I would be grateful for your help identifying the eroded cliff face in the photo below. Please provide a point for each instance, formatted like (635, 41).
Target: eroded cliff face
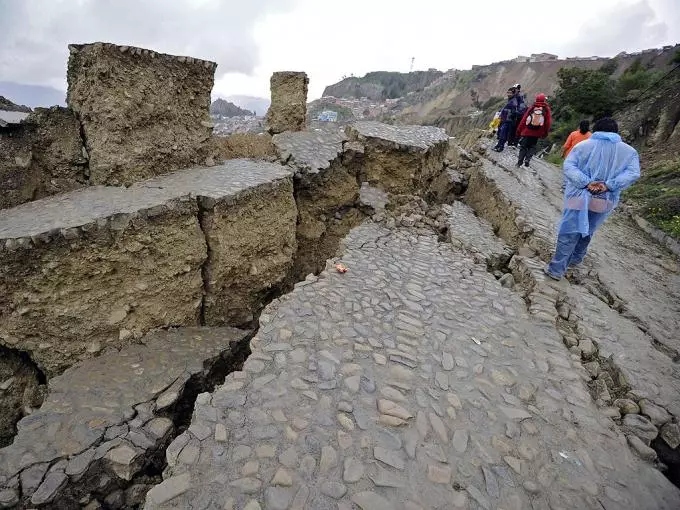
(653, 123)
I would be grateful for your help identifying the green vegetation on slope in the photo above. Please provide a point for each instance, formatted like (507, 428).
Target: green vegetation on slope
(381, 85)
(657, 194)
(591, 94)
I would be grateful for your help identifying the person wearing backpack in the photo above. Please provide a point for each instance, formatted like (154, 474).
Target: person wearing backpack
(535, 124)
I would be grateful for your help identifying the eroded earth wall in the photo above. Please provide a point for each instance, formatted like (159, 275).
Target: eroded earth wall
(143, 113)
(42, 156)
(101, 266)
(400, 159)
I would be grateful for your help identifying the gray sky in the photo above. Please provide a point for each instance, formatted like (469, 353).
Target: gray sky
(329, 38)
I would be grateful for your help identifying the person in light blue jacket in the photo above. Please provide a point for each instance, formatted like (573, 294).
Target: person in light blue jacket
(595, 172)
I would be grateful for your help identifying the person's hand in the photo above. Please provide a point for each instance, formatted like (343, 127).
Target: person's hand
(597, 187)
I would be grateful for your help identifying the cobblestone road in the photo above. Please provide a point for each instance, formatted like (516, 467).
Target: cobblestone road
(414, 381)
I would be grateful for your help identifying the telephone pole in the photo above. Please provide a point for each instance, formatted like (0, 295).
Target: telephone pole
(413, 59)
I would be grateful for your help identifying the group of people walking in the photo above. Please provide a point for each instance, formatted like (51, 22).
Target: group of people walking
(519, 124)
(598, 166)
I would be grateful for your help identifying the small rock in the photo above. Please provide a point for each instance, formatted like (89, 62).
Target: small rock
(439, 474)
(640, 426)
(570, 341)
(334, 490)
(371, 501)
(282, 478)
(353, 470)
(124, 461)
(644, 451)
(588, 349)
(49, 489)
(393, 409)
(390, 457)
(593, 368)
(8, 498)
(657, 414)
(627, 406)
(531, 487)
(507, 281)
(246, 485)
(670, 433)
(278, 498)
(460, 440)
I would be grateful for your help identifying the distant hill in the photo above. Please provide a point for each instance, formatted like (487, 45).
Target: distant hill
(9, 106)
(259, 105)
(462, 99)
(228, 109)
(32, 95)
(382, 85)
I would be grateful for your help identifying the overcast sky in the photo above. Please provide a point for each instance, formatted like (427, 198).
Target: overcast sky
(326, 38)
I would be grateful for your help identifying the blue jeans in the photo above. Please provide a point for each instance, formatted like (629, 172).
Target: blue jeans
(570, 250)
(503, 134)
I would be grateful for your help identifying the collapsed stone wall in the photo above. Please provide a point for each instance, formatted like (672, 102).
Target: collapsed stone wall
(400, 160)
(99, 267)
(288, 110)
(41, 156)
(143, 113)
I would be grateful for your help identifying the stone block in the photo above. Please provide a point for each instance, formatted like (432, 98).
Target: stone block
(84, 270)
(250, 235)
(288, 110)
(326, 194)
(400, 159)
(101, 266)
(41, 156)
(143, 113)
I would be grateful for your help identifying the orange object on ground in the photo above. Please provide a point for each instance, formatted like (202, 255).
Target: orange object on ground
(573, 138)
(340, 268)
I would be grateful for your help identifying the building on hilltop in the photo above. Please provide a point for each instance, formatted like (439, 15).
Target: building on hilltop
(542, 57)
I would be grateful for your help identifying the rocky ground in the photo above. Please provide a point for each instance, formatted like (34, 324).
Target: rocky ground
(435, 374)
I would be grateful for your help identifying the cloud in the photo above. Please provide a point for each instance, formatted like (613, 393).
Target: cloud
(627, 27)
(36, 33)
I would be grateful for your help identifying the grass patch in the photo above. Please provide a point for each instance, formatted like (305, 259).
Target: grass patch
(555, 158)
(656, 196)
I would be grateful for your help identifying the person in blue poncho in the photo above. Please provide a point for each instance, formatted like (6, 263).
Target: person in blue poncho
(596, 171)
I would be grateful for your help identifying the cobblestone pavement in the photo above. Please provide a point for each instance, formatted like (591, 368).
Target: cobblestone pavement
(111, 410)
(413, 381)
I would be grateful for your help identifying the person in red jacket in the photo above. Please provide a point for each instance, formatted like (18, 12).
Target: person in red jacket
(534, 125)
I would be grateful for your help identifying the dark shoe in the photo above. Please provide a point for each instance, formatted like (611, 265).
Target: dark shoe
(519, 164)
(526, 164)
(498, 149)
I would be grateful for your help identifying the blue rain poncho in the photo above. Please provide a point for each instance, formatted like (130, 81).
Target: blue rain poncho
(602, 158)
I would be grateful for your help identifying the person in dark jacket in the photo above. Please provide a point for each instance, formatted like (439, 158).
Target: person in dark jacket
(535, 124)
(507, 123)
(513, 140)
